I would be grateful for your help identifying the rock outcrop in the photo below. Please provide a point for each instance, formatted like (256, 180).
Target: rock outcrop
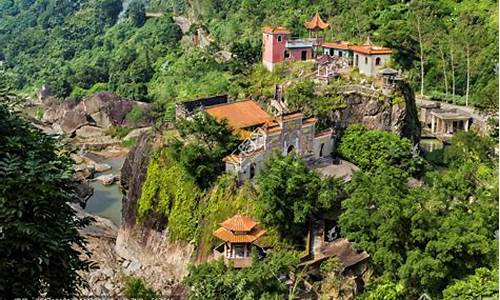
(382, 113)
(101, 110)
(147, 245)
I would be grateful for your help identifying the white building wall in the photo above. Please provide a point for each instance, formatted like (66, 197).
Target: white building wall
(336, 52)
(367, 63)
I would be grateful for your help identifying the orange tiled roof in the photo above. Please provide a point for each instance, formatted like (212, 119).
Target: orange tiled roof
(275, 29)
(309, 121)
(291, 116)
(371, 50)
(228, 236)
(316, 23)
(239, 223)
(240, 114)
(337, 45)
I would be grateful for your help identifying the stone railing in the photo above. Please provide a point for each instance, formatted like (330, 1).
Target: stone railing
(359, 89)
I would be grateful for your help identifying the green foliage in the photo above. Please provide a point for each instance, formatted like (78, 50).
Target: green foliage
(40, 243)
(383, 290)
(203, 143)
(214, 280)
(135, 288)
(425, 238)
(372, 149)
(118, 131)
(289, 193)
(135, 115)
(224, 200)
(77, 43)
(136, 12)
(169, 191)
(482, 285)
(97, 87)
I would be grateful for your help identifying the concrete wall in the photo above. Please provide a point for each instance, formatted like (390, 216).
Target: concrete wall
(367, 63)
(327, 142)
(307, 141)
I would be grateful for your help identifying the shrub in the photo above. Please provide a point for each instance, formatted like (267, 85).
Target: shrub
(135, 288)
(135, 115)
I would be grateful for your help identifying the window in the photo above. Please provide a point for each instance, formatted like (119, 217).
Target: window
(287, 54)
(340, 53)
(279, 38)
(366, 60)
(377, 61)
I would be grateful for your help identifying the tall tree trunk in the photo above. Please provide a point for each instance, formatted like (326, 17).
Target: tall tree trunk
(421, 57)
(468, 76)
(452, 74)
(444, 70)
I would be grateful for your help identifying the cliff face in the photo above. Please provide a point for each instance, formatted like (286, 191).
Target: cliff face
(147, 245)
(384, 113)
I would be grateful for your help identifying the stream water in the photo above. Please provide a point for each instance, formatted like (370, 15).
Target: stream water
(106, 201)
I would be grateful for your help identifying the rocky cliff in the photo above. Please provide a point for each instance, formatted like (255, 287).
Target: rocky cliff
(147, 245)
(395, 113)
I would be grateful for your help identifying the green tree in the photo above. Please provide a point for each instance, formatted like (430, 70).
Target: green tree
(372, 149)
(203, 143)
(289, 193)
(136, 12)
(482, 285)
(215, 280)
(40, 243)
(424, 238)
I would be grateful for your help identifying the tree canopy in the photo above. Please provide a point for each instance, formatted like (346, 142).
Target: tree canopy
(263, 280)
(40, 243)
(372, 149)
(427, 237)
(73, 45)
(289, 194)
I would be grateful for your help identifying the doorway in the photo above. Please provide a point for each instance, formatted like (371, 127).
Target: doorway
(290, 149)
(321, 149)
(303, 55)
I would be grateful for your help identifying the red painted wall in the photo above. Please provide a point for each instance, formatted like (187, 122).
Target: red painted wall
(273, 51)
(296, 54)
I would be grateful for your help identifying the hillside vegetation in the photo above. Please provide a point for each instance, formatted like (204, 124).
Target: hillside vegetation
(79, 47)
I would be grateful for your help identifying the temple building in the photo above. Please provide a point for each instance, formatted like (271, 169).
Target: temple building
(448, 122)
(340, 49)
(442, 123)
(278, 47)
(264, 133)
(370, 59)
(239, 234)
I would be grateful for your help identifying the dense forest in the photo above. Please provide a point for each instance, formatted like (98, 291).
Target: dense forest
(429, 222)
(80, 47)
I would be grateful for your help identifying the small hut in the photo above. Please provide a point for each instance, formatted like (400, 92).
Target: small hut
(239, 234)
